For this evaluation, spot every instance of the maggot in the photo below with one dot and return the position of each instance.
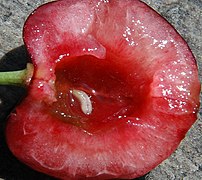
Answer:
(86, 105)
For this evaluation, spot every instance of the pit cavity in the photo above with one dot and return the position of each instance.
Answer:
(92, 92)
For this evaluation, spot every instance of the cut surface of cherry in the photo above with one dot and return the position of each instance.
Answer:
(114, 91)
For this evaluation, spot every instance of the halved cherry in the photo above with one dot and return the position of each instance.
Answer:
(114, 91)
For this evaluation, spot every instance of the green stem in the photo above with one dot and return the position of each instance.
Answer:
(21, 77)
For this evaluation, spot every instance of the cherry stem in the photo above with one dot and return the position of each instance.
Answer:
(21, 77)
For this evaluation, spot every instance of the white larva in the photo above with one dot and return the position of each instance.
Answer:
(86, 105)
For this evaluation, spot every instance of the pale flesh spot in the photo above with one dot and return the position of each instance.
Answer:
(86, 105)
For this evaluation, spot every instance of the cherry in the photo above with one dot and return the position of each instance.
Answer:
(114, 91)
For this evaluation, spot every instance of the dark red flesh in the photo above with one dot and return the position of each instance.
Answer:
(138, 72)
(112, 97)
